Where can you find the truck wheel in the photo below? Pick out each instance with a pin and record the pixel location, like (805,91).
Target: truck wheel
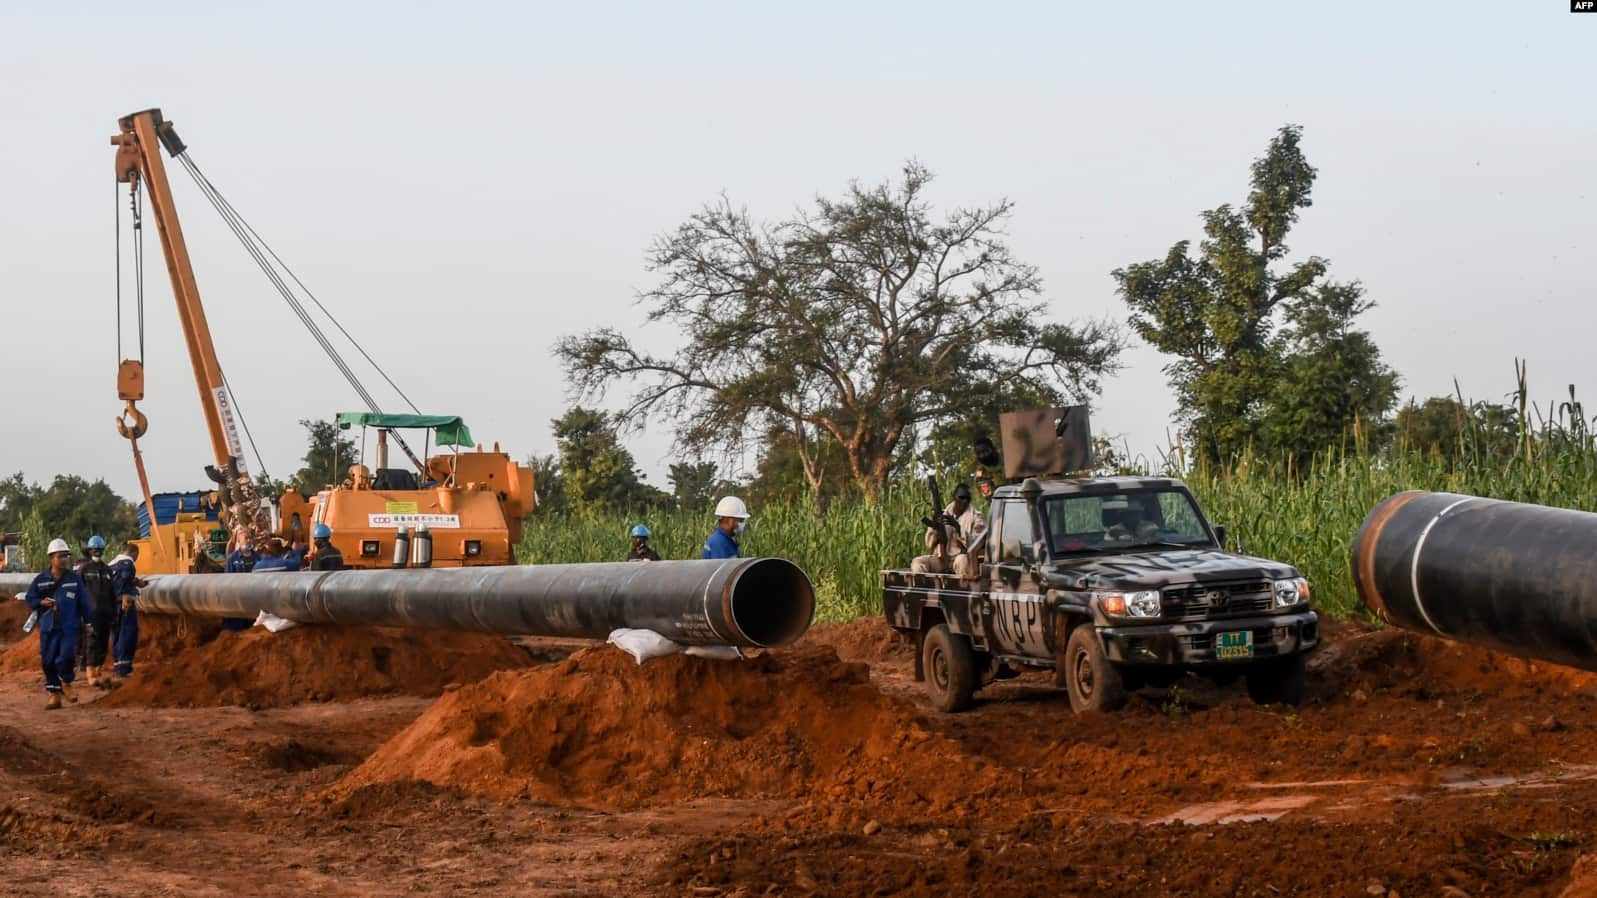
(950,669)
(1278,680)
(1093,681)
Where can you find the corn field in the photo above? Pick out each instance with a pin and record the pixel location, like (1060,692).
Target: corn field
(1305,518)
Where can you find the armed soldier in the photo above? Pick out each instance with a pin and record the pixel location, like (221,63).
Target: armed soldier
(954,539)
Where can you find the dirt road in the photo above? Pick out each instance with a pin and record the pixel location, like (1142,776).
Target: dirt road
(1418,768)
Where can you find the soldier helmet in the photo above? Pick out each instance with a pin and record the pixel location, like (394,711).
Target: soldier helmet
(962,491)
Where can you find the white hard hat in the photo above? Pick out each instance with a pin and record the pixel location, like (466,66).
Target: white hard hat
(731,507)
(58,545)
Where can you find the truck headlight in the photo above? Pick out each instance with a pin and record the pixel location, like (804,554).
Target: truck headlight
(1143,603)
(1291,592)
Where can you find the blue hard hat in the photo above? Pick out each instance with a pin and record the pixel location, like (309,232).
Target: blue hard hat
(640,530)
(96,542)
(321,531)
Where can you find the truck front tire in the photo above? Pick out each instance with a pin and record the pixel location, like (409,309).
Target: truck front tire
(1092,680)
(1278,680)
(950,667)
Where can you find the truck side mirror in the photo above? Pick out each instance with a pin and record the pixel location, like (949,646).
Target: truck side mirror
(1219,534)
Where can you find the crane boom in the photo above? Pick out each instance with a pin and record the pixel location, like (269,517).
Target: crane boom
(138,158)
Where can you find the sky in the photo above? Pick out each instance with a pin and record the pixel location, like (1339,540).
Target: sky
(465,183)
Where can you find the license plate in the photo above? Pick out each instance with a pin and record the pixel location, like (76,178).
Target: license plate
(1234,646)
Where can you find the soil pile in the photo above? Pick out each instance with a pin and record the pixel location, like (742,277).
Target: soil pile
(600,730)
(867,639)
(12,614)
(260,669)
(161,636)
(1409,663)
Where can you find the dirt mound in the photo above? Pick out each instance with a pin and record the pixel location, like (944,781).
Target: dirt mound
(161,636)
(260,669)
(867,639)
(12,614)
(294,756)
(1363,658)
(600,730)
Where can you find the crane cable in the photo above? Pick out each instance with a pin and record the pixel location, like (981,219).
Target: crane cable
(248,235)
(249,238)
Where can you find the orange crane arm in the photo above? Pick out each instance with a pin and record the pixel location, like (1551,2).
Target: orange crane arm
(138,157)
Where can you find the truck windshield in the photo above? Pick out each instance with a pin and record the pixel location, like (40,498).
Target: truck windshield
(1124,520)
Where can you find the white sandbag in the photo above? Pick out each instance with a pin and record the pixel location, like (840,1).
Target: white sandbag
(273,623)
(642,644)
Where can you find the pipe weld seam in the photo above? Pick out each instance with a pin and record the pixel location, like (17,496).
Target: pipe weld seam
(1414,568)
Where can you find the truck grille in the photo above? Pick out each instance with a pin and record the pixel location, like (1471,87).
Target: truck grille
(1210,601)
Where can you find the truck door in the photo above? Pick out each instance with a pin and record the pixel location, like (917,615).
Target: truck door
(1015,626)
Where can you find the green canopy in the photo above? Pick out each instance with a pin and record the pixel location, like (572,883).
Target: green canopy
(448,430)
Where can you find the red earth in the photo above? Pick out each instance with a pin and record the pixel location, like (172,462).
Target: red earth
(1417,767)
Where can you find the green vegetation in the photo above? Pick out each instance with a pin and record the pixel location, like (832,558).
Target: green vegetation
(1305,516)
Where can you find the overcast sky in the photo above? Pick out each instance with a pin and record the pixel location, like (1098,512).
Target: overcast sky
(463,183)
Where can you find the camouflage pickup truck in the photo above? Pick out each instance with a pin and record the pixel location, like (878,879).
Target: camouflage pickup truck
(1115,583)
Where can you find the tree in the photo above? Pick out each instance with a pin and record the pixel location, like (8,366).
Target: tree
(1446,427)
(71,508)
(328,457)
(1330,374)
(695,486)
(598,473)
(851,324)
(548,487)
(1216,314)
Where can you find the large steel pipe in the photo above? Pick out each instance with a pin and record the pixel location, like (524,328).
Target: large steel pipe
(1513,577)
(740,601)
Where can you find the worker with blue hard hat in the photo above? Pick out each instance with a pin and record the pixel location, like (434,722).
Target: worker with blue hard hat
(95,639)
(326,557)
(641,550)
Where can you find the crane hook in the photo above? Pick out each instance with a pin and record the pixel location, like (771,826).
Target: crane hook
(132,423)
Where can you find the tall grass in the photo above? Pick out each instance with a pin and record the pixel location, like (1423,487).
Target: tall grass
(1305,518)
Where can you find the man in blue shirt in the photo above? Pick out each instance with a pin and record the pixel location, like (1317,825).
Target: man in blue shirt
(730,515)
(125,582)
(62,601)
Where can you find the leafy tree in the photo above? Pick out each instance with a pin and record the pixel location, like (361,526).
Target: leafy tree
(1216,313)
(1447,427)
(269,487)
(327,457)
(695,486)
(599,474)
(548,486)
(1330,374)
(71,508)
(848,325)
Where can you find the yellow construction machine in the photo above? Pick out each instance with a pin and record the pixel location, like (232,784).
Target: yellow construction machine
(455,508)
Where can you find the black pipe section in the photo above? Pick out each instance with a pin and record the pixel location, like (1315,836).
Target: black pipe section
(1506,575)
(763,602)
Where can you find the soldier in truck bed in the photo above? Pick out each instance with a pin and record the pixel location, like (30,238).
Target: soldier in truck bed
(966,535)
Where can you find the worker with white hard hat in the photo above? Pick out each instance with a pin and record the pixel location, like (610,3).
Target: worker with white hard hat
(730,517)
(62,601)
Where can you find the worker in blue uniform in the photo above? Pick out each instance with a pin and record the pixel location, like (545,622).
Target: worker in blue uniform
(96,576)
(125,582)
(62,601)
(279,559)
(731,515)
(326,557)
(241,560)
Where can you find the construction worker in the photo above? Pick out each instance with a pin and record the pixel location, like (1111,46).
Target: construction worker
(641,550)
(62,601)
(731,516)
(327,557)
(242,559)
(277,558)
(959,552)
(96,576)
(126,584)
